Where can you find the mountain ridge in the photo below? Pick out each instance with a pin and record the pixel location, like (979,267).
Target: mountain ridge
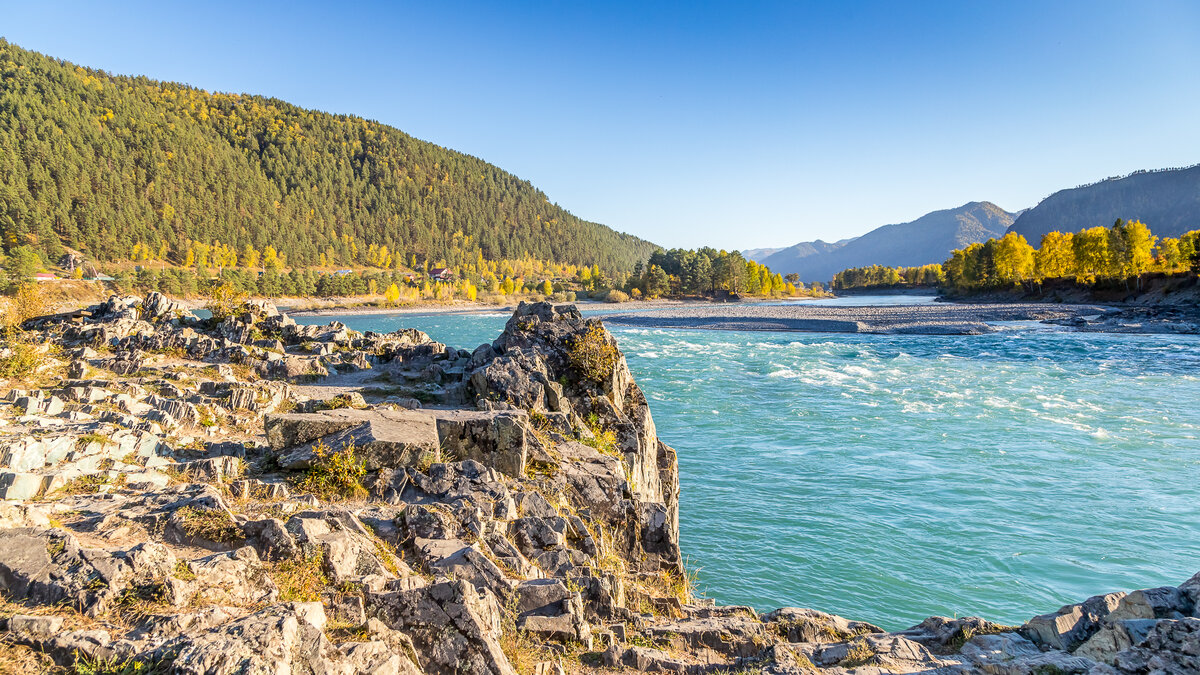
(1167,200)
(928,239)
(101,163)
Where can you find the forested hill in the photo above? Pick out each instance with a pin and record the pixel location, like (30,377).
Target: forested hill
(104,163)
(1167,200)
(928,239)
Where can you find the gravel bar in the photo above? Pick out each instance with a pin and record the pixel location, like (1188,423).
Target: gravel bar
(923,319)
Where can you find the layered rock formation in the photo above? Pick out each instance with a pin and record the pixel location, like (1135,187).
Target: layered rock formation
(252,496)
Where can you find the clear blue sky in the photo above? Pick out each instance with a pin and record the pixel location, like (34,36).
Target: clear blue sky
(728,124)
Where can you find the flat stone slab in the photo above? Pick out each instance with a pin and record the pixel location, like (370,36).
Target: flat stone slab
(390,438)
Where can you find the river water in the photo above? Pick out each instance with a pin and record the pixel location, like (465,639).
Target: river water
(890,478)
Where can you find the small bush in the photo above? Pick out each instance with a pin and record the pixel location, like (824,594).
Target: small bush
(27,302)
(224,301)
(616,296)
(210,525)
(335,475)
(593,355)
(24,359)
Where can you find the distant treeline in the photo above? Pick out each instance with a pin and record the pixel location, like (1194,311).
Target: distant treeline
(879,276)
(681,272)
(1124,251)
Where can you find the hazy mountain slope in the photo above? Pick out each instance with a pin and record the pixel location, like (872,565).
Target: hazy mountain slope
(758,254)
(928,239)
(102,162)
(1168,201)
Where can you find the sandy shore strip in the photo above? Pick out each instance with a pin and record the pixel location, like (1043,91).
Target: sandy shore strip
(923,319)
(478,308)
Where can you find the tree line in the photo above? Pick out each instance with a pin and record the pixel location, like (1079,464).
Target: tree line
(881,276)
(681,272)
(1126,250)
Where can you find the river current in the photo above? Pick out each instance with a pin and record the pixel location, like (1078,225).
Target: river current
(890,478)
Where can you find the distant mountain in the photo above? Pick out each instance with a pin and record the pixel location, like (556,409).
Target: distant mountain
(757,254)
(1168,201)
(928,239)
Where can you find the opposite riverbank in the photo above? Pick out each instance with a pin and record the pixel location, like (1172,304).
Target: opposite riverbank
(922,319)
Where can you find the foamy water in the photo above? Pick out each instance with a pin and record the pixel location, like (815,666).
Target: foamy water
(889,478)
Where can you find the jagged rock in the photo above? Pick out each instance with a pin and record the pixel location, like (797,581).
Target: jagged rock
(1166,602)
(1011,654)
(1172,647)
(1115,637)
(493,439)
(644,659)
(738,634)
(795,624)
(944,635)
(285,431)
(48,566)
(461,560)
(348,557)
(157,307)
(1071,625)
(279,639)
(887,652)
(454,627)
(213,470)
(234,578)
(270,539)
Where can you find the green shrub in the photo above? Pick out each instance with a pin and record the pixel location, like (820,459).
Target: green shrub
(593,355)
(335,475)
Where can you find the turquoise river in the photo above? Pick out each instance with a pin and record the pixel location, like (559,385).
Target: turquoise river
(890,478)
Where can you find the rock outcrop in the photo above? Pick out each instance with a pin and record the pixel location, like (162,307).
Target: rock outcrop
(249,495)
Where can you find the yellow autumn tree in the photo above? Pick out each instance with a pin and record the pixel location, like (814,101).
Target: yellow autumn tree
(392,295)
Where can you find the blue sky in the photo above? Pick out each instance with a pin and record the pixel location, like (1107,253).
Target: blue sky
(733,124)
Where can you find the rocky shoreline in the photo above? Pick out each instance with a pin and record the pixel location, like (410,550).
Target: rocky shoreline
(247,495)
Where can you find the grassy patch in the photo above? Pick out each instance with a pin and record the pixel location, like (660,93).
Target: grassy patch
(859,653)
(89,484)
(339,401)
(183,571)
(96,666)
(602,440)
(300,579)
(335,475)
(87,439)
(210,525)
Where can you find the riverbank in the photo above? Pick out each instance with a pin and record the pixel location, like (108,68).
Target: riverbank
(256,496)
(923,319)
(336,309)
